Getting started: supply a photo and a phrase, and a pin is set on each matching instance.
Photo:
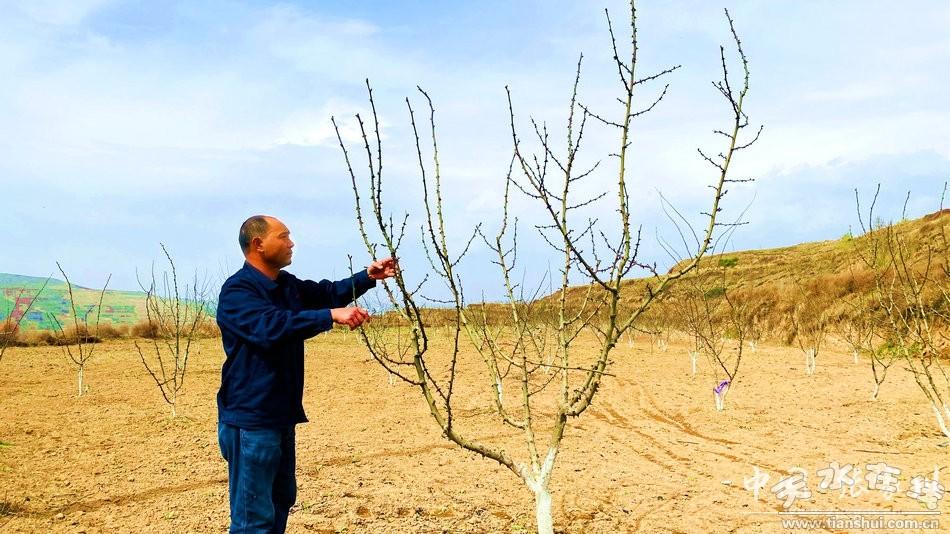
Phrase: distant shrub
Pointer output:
(70, 336)
(728, 262)
(145, 329)
(842, 283)
(208, 328)
(893, 349)
(10, 339)
(715, 292)
(111, 331)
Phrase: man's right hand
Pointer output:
(352, 317)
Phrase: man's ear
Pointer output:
(256, 243)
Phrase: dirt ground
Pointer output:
(650, 455)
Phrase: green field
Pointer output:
(17, 292)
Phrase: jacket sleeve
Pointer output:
(247, 314)
(327, 294)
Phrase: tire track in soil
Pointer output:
(648, 512)
(614, 418)
(667, 421)
(571, 510)
(625, 423)
(657, 414)
(120, 500)
(393, 453)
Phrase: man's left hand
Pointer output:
(382, 269)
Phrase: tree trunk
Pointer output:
(941, 421)
(537, 482)
(80, 380)
(542, 499)
(810, 363)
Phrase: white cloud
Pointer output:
(58, 12)
(337, 50)
(313, 128)
(230, 112)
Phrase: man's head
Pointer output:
(266, 240)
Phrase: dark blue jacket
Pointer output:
(263, 326)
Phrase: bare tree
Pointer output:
(81, 334)
(860, 332)
(912, 288)
(882, 357)
(11, 325)
(857, 329)
(175, 313)
(810, 320)
(715, 321)
(683, 301)
(530, 394)
(752, 322)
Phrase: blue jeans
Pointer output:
(261, 481)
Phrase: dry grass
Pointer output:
(774, 282)
(143, 330)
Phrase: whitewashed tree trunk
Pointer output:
(550, 364)
(719, 394)
(80, 380)
(538, 483)
(542, 499)
(941, 418)
(662, 345)
(854, 353)
(877, 389)
(810, 362)
(753, 345)
(720, 401)
(693, 356)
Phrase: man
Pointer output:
(265, 314)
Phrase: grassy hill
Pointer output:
(17, 292)
(773, 282)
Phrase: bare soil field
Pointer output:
(650, 455)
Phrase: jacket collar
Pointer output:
(261, 278)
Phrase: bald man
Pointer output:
(265, 314)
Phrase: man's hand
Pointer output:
(352, 317)
(382, 269)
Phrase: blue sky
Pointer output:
(133, 123)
